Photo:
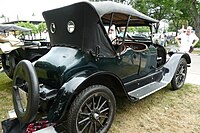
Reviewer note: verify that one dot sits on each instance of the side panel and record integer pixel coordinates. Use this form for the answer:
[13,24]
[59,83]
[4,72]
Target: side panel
[139,82]
[70,90]
[75,85]
[148,61]
[145,86]
[124,66]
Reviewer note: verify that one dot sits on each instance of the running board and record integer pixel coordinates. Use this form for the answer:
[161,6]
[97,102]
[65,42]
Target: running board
[146,90]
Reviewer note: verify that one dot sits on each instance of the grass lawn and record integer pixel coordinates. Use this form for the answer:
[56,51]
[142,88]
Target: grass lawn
[5,96]
[163,111]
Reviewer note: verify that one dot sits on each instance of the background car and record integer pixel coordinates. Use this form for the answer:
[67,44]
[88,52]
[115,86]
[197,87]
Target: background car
[13,50]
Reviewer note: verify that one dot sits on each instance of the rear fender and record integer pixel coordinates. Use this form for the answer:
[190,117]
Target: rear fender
[169,68]
[75,85]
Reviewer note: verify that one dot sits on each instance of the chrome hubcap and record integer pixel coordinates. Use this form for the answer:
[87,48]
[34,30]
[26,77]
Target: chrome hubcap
[181,75]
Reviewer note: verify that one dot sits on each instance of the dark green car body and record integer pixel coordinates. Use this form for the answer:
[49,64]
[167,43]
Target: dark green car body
[82,55]
[78,60]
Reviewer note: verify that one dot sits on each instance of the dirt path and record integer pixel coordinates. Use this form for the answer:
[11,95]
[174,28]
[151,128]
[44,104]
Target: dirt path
[163,112]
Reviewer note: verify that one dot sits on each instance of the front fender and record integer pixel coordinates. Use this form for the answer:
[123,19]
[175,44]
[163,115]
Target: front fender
[75,85]
[170,67]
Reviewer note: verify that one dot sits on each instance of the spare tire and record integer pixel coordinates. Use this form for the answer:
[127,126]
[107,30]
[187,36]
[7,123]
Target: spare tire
[25,91]
[161,56]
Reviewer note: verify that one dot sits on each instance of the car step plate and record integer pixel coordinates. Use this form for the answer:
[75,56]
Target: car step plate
[146,90]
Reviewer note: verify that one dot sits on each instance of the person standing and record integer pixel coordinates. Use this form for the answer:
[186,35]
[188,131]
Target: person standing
[187,40]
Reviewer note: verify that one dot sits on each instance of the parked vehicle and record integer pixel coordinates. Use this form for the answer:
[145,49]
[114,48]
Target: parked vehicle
[77,82]
[13,50]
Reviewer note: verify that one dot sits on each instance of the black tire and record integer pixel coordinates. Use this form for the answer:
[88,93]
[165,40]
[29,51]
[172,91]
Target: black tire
[180,75]
[25,80]
[8,64]
[161,55]
[92,111]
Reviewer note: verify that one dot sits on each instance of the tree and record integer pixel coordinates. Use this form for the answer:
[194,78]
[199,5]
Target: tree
[2,16]
[178,12]
[42,27]
[139,29]
[177,17]
[29,25]
[193,14]
[157,9]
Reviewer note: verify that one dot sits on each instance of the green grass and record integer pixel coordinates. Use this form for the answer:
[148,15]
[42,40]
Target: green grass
[5,96]
[197,45]
[163,111]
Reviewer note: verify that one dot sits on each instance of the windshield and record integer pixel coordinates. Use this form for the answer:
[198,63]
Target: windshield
[140,32]
[127,32]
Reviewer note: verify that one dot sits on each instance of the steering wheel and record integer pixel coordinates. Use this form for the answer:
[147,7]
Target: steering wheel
[117,41]
[118,44]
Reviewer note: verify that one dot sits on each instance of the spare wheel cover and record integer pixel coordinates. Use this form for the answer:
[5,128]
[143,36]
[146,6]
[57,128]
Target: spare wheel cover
[25,84]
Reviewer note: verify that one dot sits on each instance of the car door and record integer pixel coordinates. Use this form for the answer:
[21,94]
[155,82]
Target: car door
[125,65]
[129,64]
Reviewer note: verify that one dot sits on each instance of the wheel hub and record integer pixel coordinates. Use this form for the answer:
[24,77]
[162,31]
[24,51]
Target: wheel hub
[96,116]
[182,71]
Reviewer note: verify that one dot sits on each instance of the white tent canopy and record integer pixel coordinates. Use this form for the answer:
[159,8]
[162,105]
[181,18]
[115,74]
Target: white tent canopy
[12,27]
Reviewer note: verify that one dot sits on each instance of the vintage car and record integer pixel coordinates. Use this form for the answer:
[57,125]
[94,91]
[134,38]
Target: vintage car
[77,82]
[13,50]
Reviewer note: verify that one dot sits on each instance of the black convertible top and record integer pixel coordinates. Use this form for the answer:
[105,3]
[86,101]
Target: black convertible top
[87,20]
[108,7]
